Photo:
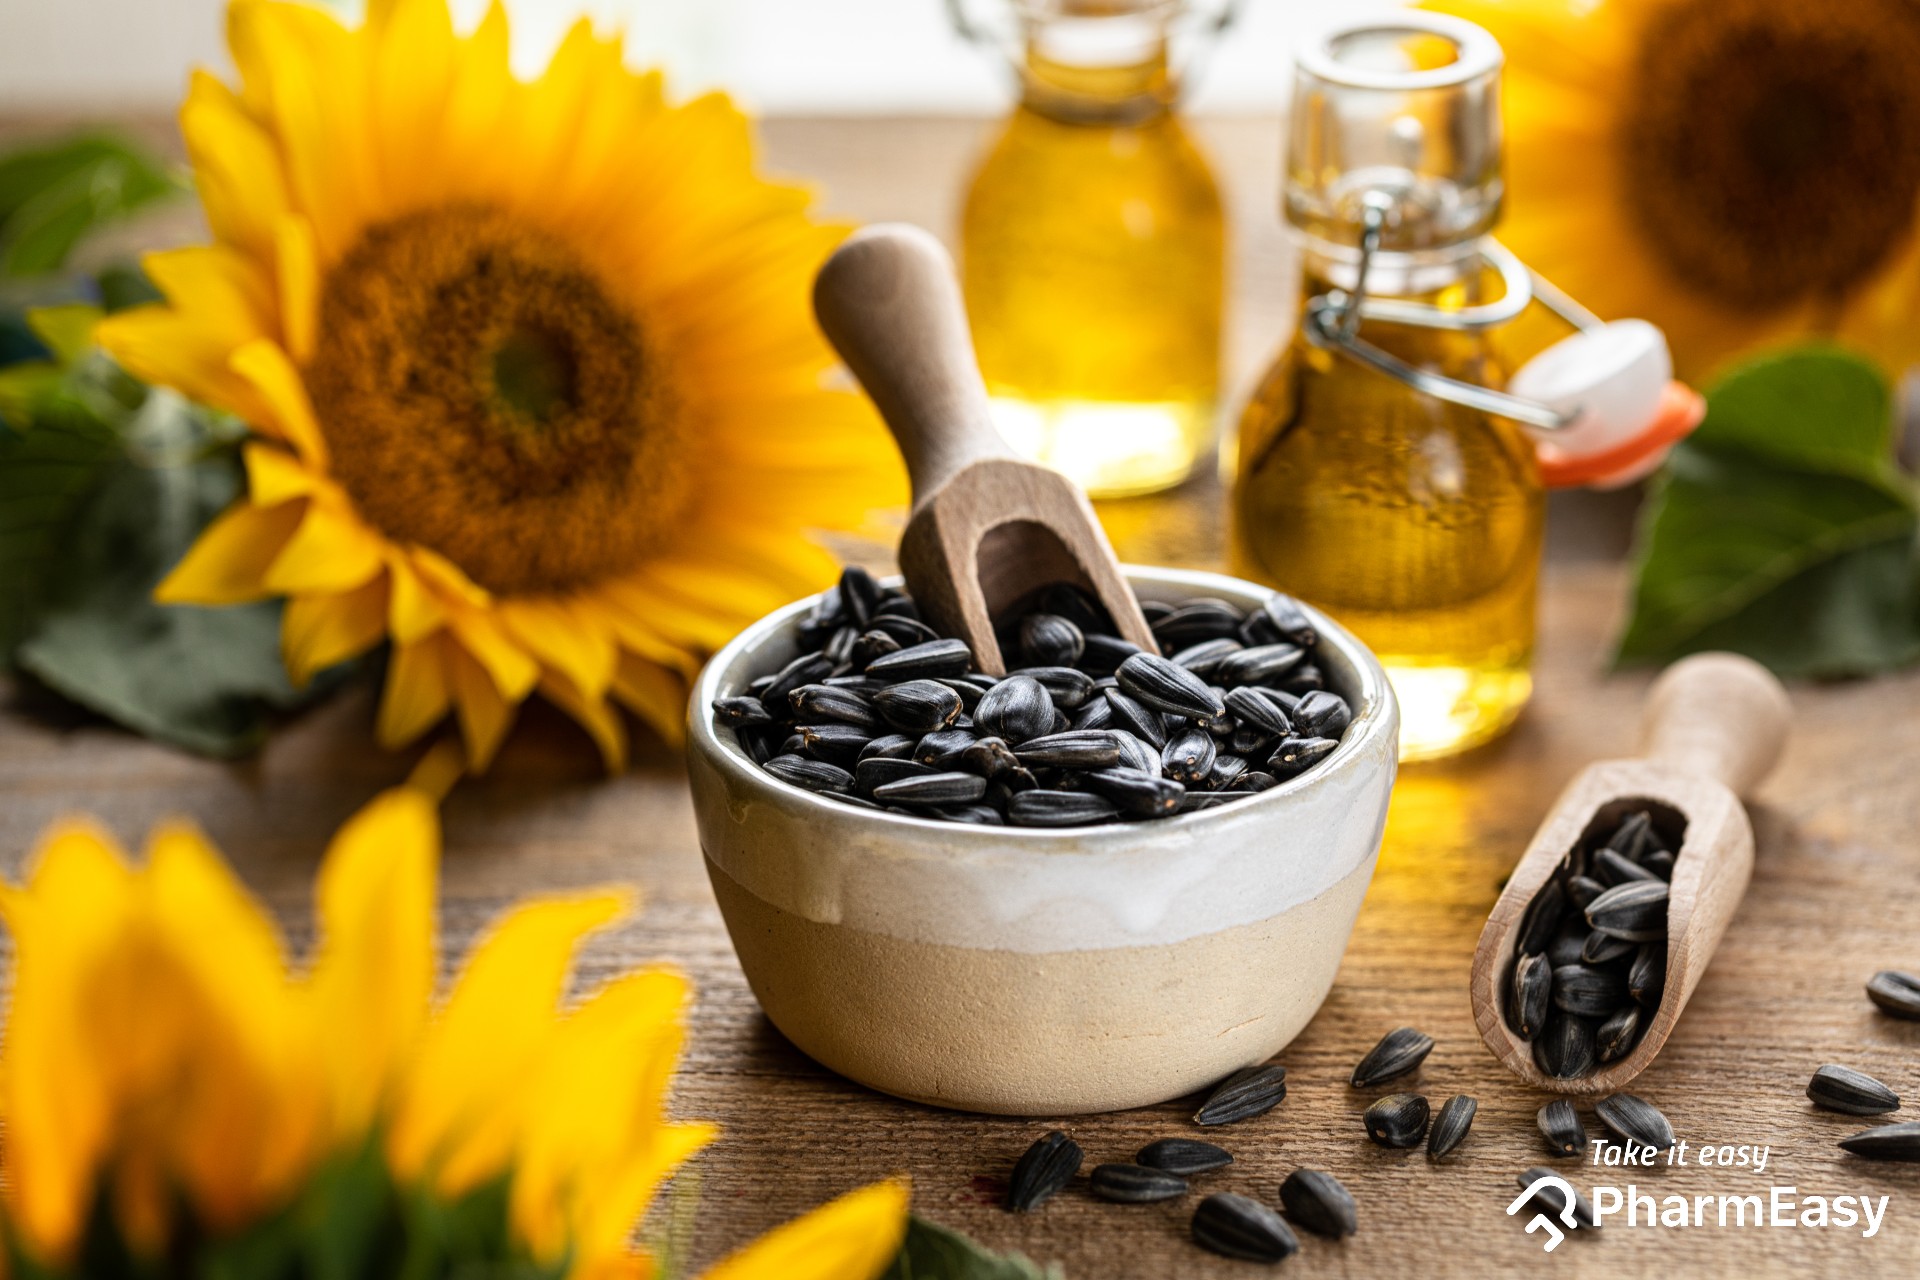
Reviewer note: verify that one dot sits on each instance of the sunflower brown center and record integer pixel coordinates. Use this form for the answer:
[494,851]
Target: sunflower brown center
[1773,146]
[484,396]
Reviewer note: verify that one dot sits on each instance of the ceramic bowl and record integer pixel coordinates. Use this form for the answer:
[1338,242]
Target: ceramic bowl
[1043,972]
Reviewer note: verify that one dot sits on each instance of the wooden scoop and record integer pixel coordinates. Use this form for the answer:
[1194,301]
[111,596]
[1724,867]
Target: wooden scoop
[1715,724]
[986,527]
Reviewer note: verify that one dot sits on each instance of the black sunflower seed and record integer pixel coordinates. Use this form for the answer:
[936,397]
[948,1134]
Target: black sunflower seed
[1134,792]
[1290,621]
[1137,753]
[872,644]
[1450,1125]
[932,789]
[1203,658]
[1017,708]
[989,757]
[1541,920]
[1261,664]
[1888,1142]
[859,594]
[924,660]
[1636,911]
[1136,1184]
[808,668]
[1850,1092]
[1188,758]
[1226,772]
[906,631]
[1587,990]
[1258,712]
[813,703]
[1162,686]
[974,815]
[896,746]
[1633,837]
[1083,749]
[1104,654]
[1235,1226]
[1398,1120]
[1316,1200]
[1137,718]
[1321,714]
[1582,890]
[808,774]
[1200,619]
[1048,1165]
[1068,688]
[1896,993]
[1038,808]
[741,711]
[1560,1126]
[1601,948]
[1258,780]
[878,771]
[1660,863]
[1532,995]
[1296,755]
[839,744]
[1244,1094]
[918,706]
[1613,868]
[1569,942]
[1565,1048]
[943,747]
[1555,1200]
[1399,1052]
[1049,640]
[1618,1034]
[1635,1119]
[1183,1156]
[1647,976]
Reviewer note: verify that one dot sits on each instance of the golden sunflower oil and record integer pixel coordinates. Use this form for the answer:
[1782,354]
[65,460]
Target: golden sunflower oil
[1416,522]
[1092,257]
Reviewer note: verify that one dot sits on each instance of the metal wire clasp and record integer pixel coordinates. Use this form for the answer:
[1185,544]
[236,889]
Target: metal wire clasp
[1333,322]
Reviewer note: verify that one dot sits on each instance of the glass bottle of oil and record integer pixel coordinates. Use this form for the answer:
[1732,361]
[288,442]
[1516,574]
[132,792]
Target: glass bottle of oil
[1092,254]
[1415,522]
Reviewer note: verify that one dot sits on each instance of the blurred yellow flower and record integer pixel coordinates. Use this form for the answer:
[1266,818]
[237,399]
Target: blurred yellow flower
[1740,172]
[159,1050]
[539,393]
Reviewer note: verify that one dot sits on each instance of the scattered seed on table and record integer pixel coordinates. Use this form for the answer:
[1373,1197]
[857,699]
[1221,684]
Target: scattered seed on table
[1532,996]
[1566,1049]
[1235,1226]
[1244,1094]
[1399,1052]
[1398,1120]
[1048,1165]
[1136,1184]
[1315,1200]
[1560,1126]
[1896,993]
[1888,1142]
[1618,1034]
[1850,1092]
[1636,1119]
[1183,1156]
[1450,1125]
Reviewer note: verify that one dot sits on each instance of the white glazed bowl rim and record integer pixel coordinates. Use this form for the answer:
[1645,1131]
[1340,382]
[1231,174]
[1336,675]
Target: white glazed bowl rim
[1373,716]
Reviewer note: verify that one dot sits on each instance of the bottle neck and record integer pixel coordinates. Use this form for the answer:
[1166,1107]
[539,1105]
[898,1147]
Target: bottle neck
[1107,70]
[1453,270]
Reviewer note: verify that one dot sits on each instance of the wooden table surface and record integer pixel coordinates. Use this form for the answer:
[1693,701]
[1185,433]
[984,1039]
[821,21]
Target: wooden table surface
[1833,899]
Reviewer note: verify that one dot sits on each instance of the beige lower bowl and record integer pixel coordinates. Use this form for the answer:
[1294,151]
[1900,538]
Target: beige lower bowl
[1032,972]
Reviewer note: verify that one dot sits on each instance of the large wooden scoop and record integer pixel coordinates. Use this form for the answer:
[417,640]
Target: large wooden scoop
[1715,724]
[987,528]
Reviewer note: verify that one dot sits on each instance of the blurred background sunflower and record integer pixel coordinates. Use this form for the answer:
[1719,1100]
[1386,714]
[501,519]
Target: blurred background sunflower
[1740,172]
[537,390]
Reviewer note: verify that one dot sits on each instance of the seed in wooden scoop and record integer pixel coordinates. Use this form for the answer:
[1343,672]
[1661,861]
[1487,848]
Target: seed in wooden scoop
[1450,1125]
[1188,758]
[1602,948]
[1059,809]
[1636,911]
[1636,1119]
[1896,993]
[1074,749]
[1618,1034]
[1541,920]
[1321,714]
[1615,868]
[1244,1094]
[1048,1165]
[1399,1052]
[1136,1184]
[1316,1200]
[1398,1120]
[1565,1048]
[1049,640]
[809,775]
[1560,1126]
[932,789]
[918,706]
[1851,1092]
[1647,975]
[1162,685]
[1183,1157]
[1660,863]
[1017,708]
[1582,890]
[1555,1199]
[1588,991]
[1569,941]
[1888,1142]
[1531,997]
[1143,794]
[1236,1226]
[924,661]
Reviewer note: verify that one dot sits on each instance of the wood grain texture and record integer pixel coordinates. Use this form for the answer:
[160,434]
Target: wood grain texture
[1832,899]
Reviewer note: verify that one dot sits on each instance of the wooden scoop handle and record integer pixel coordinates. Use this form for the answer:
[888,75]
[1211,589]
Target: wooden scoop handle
[1717,715]
[888,301]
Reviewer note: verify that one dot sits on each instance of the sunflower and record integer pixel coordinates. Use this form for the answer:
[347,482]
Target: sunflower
[163,1061]
[536,390]
[1740,172]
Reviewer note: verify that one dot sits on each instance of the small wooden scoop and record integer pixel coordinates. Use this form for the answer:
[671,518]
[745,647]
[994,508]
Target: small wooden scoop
[1715,725]
[986,527]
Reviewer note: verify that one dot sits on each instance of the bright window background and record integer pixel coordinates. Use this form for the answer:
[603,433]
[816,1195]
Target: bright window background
[801,57]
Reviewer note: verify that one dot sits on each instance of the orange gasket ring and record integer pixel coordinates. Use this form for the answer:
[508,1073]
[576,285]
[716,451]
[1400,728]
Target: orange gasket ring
[1681,410]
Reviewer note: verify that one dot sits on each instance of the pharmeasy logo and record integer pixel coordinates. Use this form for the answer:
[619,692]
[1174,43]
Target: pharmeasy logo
[1776,1207]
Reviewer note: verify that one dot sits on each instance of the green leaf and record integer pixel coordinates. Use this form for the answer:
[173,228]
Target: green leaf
[202,679]
[1782,530]
[52,197]
[46,473]
[934,1252]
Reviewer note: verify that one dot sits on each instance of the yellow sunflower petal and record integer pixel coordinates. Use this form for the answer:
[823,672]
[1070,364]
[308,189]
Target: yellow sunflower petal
[416,695]
[655,694]
[317,632]
[414,610]
[228,565]
[264,365]
[374,976]
[412,74]
[852,1238]
[600,720]
[558,634]
[330,552]
[275,476]
[485,716]
[236,167]
[298,275]
[481,635]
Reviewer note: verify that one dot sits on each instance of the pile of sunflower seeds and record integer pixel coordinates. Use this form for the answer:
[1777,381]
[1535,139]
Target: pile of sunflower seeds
[1592,951]
[880,712]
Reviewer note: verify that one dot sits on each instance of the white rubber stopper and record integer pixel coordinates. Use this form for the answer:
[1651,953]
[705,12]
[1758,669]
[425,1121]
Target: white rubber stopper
[1613,376]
